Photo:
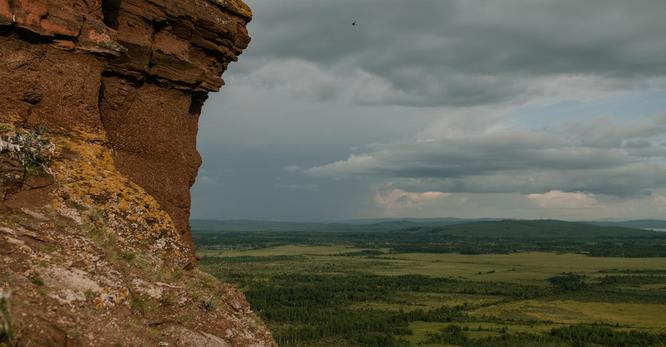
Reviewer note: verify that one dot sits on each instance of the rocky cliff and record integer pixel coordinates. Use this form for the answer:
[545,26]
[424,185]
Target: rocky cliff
[99,106]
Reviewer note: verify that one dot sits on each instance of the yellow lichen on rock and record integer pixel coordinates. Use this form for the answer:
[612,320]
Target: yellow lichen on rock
[94,248]
[89,184]
[236,6]
[108,264]
[9,118]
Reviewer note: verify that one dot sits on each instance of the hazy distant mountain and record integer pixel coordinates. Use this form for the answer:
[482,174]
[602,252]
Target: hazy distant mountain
[446,220]
[344,225]
[650,224]
[251,225]
[525,229]
[451,227]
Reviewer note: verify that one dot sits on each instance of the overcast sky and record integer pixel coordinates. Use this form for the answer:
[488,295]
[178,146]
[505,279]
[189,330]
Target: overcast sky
[440,108]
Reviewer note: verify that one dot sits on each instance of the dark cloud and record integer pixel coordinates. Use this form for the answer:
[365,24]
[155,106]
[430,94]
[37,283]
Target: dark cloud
[449,107]
[467,52]
[598,156]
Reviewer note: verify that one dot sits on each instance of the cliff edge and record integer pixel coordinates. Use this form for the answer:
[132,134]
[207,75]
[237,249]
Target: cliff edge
[99,108]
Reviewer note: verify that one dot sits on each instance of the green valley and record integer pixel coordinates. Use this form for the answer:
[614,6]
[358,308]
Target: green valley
[486,283]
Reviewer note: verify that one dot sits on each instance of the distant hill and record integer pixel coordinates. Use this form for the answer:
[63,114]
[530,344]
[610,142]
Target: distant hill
[199,225]
[439,221]
[530,229]
[252,225]
[648,224]
[437,229]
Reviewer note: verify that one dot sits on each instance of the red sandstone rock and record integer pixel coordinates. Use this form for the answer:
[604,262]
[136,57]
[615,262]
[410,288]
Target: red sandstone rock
[119,84]
[164,56]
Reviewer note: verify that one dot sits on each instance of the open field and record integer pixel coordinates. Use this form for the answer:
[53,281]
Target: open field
[526,267]
[474,330]
[410,301]
[485,283]
[489,296]
[640,316]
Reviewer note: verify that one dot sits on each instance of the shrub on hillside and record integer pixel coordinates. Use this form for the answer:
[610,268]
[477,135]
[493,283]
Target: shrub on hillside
[568,281]
[30,148]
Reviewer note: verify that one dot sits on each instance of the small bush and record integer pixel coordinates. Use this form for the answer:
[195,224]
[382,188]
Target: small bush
[36,280]
[31,148]
[208,304]
[168,299]
[568,281]
[128,256]
[6,332]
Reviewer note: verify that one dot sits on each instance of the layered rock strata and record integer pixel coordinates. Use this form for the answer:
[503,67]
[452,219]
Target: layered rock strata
[136,71]
[99,108]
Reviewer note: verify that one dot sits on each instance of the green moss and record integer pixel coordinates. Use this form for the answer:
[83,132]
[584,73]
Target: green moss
[168,300]
[128,256]
[6,330]
[143,306]
[36,280]
[90,295]
[208,304]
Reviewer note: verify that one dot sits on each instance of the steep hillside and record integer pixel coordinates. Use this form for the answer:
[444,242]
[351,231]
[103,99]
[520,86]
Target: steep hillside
[99,110]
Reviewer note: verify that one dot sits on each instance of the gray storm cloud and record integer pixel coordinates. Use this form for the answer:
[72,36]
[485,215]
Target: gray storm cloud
[468,52]
[420,109]
[598,156]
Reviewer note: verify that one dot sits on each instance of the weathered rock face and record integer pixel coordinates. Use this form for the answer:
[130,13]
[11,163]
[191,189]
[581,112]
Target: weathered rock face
[95,247]
[136,70]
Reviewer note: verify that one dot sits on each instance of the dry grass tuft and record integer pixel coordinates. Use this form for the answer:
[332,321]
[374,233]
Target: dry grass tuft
[30,147]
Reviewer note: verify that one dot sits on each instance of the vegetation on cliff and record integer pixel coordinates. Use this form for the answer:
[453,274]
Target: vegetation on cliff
[30,147]
[6,331]
[100,247]
[94,236]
